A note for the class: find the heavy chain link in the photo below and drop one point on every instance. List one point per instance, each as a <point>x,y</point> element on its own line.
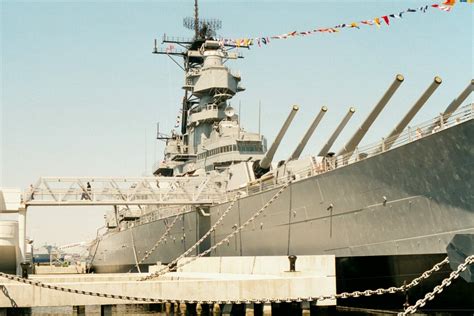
<point>425,275</point>
<point>439,288</point>
<point>82,292</point>
<point>162,238</point>
<point>390,290</point>
<point>224,240</point>
<point>172,264</point>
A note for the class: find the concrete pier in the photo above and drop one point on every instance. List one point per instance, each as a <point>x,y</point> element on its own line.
<point>233,281</point>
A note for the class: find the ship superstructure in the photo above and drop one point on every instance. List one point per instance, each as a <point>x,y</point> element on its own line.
<point>210,137</point>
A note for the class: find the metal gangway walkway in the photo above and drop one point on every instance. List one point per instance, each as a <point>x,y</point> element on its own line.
<point>100,191</point>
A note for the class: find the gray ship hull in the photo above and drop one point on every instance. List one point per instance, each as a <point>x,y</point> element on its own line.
<point>410,200</point>
<point>405,203</point>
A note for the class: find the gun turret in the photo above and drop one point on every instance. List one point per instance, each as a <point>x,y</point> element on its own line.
<point>296,154</point>
<point>360,133</point>
<point>260,167</point>
<point>414,109</point>
<point>460,99</point>
<point>336,133</point>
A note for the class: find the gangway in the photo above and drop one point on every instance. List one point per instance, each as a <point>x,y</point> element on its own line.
<point>114,191</point>
<point>109,191</point>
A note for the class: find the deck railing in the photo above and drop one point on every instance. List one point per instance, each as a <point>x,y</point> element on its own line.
<point>409,135</point>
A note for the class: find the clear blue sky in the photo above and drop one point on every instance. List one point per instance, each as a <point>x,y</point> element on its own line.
<point>81,92</point>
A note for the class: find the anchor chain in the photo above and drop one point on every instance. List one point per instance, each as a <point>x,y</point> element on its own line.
<point>439,288</point>
<point>160,240</point>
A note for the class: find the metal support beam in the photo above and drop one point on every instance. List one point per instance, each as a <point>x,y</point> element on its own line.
<point>21,237</point>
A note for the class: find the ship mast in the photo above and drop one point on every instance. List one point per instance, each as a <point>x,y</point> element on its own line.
<point>196,19</point>
<point>208,87</point>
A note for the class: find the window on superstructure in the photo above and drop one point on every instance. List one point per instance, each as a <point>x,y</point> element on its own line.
<point>248,146</point>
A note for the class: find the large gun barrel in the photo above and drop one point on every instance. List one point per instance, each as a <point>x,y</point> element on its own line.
<point>460,99</point>
<point>336,133</point>
<point>261,167</point>
<point>360,133</point>
<point>414,109</point>
<point>302,144</point>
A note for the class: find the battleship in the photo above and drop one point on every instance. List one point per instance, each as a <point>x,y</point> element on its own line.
<point>386,210</point>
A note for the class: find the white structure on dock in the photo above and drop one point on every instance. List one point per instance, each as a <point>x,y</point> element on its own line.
<point>12,233</point>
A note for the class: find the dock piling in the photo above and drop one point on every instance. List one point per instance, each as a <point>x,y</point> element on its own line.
<point>105,310</point>
<point>238,309</point>
<point>191,309</point>
<point>204,309</point>
<point>78,310</point>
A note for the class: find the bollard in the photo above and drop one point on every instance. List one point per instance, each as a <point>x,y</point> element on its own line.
<point>292,259</point>
<point>24,269</point>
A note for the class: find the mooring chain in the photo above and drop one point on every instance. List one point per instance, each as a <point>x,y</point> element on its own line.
<point>7,295</point>
<point>439,288</point>
<point>168,267</point>
<point>75,291</point>
<point>425,275</point>
<point>226,239</point>
<point>162,238</point>
<point>390,290</point>
<point>420,303</point>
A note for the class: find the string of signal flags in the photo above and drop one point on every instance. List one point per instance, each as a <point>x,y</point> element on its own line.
<point>378,22</point>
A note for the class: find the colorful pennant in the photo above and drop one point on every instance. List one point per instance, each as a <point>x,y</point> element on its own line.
<point>446,6</point>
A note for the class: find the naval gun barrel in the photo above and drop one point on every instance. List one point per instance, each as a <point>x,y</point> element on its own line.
<point>412,112</point>
<point>261,167</point>
<point>340,127</point>
<point>302,144</point>
<point>360,133</point>
<point>460,99</point>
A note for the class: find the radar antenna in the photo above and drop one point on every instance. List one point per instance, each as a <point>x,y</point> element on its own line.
<point>204,28</point>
